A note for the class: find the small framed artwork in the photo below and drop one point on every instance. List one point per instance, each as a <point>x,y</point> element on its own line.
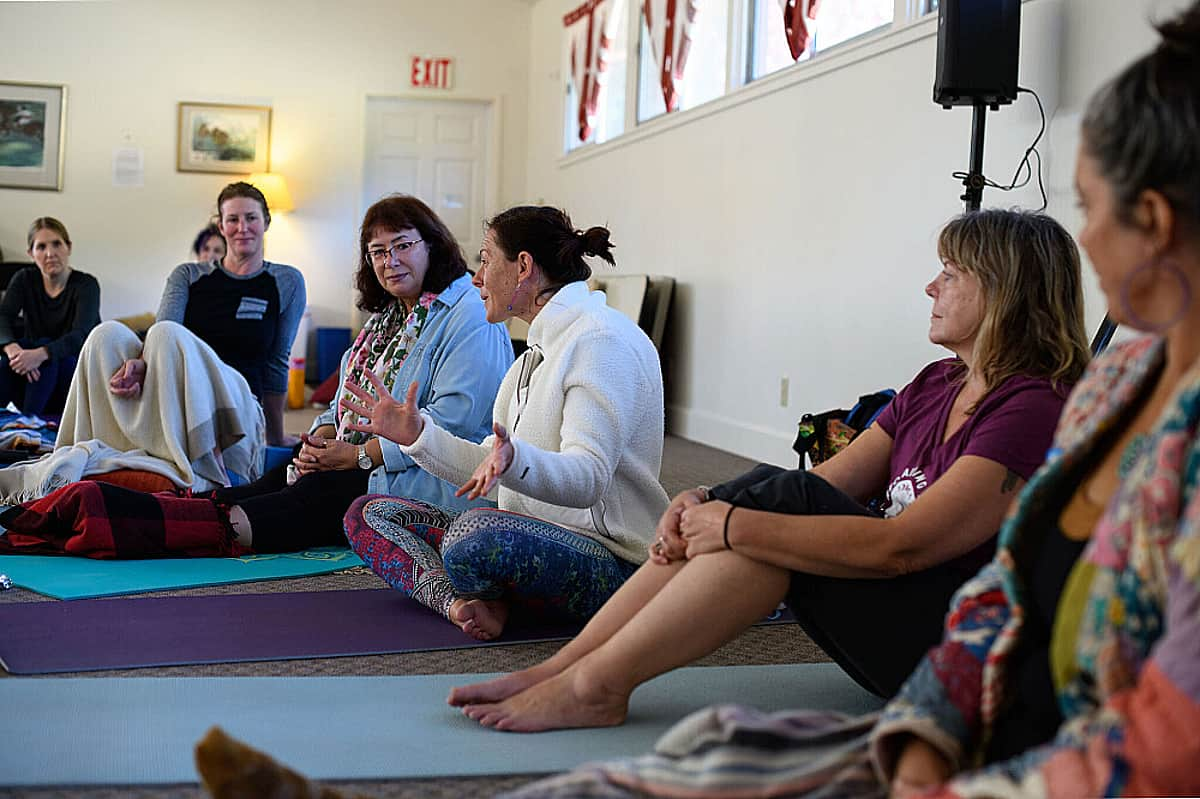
<point>232,139</point>
<point>32,141</point>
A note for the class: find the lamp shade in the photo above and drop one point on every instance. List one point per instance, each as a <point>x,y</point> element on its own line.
<point>274,188</point>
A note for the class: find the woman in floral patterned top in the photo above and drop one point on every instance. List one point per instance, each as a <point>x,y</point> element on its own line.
<point>427,325</point>
<point>1070,665</point>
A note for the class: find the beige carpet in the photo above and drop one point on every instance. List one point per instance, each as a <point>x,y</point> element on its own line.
<point>685,464</point>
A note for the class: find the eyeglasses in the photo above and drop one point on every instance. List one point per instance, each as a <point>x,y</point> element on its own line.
<point>383,256</point>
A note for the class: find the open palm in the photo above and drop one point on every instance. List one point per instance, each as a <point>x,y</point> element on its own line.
<point>382,414</point>
<point>489,471</point>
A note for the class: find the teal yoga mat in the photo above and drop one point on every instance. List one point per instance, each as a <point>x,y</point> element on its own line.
<point>132,731</point>
<point>66,577</point>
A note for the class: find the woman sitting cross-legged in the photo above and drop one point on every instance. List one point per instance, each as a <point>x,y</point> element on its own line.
<point>575,453</point>
<point>427,325</point>
<point>870,588</point>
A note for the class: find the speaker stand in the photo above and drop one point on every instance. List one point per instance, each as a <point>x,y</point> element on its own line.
<point>973,198</point>
<point>974,181</point>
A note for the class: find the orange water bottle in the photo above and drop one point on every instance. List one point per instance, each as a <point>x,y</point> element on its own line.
<point>295,388</point>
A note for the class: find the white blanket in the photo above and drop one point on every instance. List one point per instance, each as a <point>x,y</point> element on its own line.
<point>195,416</point>
<point>31,480</point>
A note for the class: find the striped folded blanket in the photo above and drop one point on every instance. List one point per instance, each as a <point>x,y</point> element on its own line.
<point>735,752</point>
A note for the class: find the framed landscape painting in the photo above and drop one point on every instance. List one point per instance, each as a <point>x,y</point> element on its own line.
<point>32,122</point>
<point>224,138</point>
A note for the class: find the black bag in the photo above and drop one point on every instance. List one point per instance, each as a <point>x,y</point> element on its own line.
<point>823,435</point>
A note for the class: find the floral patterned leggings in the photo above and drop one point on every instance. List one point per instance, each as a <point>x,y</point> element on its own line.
<point>437,556</point>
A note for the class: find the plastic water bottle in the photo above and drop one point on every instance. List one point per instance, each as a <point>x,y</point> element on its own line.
<point>295,393</point>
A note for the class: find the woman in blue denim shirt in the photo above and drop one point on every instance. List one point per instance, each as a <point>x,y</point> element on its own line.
<point>428,326</point>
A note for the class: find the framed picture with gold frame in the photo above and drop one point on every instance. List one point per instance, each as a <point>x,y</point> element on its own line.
<point>32,135</point>
<point>231,139</point>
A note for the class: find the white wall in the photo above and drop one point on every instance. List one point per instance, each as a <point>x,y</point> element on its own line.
<point>800,216</point>
<point>127,65</point>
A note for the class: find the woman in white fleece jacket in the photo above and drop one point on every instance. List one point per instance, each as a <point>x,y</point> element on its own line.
<point>576,450</point>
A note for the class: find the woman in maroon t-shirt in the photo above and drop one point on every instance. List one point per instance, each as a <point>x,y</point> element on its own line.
<point>871,588</point>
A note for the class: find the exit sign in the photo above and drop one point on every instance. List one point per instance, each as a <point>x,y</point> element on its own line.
<point>431,72</point>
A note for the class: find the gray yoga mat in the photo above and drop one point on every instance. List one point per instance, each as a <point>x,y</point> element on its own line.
<point>142,730</point>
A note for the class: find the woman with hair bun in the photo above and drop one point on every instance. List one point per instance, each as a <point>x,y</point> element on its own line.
<point>574,456</point>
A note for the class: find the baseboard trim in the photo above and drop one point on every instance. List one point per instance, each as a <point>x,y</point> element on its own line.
<point>732,435</point>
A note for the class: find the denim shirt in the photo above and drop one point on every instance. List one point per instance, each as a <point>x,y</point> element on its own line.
<point>458,363</point>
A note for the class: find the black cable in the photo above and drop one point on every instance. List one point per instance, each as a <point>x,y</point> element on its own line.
<point>1017,182</point>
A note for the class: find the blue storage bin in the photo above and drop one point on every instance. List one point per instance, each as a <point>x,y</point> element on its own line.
<point>331,343</point>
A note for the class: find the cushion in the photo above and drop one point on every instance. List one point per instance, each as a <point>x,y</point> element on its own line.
<point>135,479</point>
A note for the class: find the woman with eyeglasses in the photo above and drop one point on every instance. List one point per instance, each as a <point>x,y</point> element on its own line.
<point>427,325</point>
<point>574,456</point>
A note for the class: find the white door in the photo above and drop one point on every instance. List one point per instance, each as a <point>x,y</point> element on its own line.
<point>439,150</point>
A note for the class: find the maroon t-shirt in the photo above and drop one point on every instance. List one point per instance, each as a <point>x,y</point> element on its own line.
<point>1013,426</point>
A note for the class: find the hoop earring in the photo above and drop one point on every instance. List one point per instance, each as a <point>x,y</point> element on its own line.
<point>1141,323</point>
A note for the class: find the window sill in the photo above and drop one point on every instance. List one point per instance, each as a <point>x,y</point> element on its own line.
<point>840,57</point>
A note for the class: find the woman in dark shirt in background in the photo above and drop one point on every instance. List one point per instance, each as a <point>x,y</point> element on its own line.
<point>60,306</point>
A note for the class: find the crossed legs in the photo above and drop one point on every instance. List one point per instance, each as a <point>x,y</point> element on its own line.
<point>663,617</point>
<point>469,566</point>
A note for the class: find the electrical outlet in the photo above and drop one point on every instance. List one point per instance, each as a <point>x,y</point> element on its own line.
<point>783,392</point>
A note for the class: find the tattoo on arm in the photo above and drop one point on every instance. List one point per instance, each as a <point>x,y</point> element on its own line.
<point>1011,479</point>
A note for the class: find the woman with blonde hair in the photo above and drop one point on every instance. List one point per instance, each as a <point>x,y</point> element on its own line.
<point>1070,664</point>
<point>869,586</point>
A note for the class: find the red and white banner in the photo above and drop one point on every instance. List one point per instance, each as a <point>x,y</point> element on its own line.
<point>590,31</point>
<point>670,24</point>
<point>798,16</point>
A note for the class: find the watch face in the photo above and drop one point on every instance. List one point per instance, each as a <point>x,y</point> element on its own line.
<point>364,460</point>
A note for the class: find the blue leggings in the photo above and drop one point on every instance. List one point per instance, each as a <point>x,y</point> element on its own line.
<point>436,557</point>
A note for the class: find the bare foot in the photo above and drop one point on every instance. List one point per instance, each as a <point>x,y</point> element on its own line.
<point>501,688</point>
<point>569,699</point>
<point>482,619</point>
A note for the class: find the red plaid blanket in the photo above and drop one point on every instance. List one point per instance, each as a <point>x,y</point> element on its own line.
<point>98,520</point>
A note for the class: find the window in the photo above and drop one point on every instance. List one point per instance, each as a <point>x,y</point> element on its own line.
<point>595,64</point>
<point>837,21</point>
<point>683,54</point>
<point>681,59</point>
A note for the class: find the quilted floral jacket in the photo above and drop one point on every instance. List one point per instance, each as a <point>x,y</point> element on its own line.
<point>1127,670</point>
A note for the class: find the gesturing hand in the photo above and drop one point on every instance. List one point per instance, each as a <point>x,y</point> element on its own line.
<point>669,544</point>
<point>382,414</point>
<point>703,527</point>
<point>495,464</point>
<point>127,381</point>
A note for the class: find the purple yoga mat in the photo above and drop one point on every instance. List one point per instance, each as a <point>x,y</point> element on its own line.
<point>96,634</point>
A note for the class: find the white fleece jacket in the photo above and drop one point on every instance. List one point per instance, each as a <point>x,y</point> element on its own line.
<point>588,439</point>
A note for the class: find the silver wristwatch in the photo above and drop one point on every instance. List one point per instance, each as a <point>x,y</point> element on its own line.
<point>364,460</point>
